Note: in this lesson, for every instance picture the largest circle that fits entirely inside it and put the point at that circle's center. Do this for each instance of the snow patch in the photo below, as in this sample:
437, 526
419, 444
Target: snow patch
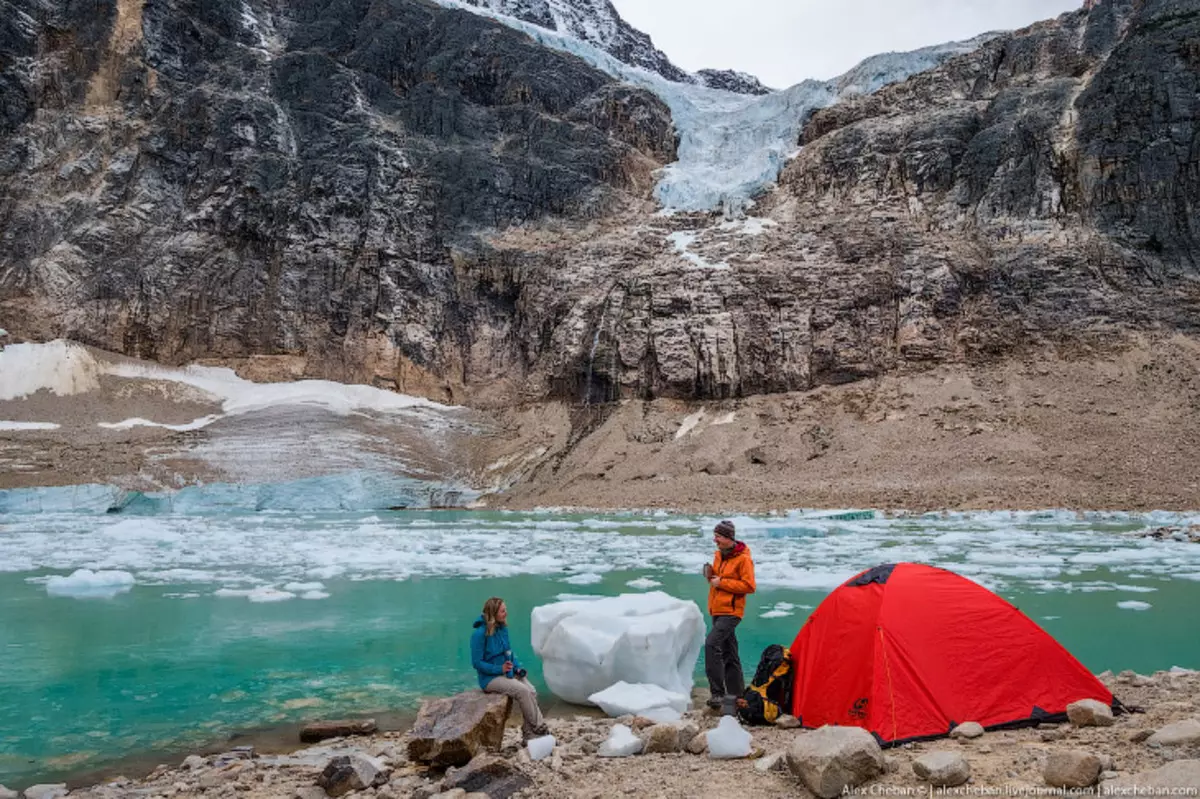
59, 367
19, 426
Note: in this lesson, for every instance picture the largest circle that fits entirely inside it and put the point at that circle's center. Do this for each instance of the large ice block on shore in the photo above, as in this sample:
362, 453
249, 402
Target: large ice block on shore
588, 645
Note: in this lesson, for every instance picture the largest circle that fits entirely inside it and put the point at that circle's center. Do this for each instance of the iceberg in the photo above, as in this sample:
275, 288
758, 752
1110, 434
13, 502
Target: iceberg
642, 639
640, 700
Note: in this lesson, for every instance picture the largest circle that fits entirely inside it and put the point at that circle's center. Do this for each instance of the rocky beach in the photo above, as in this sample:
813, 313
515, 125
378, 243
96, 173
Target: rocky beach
1153, 751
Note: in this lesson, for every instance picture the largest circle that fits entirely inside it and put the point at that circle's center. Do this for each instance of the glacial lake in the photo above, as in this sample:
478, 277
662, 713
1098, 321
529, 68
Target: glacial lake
231, 618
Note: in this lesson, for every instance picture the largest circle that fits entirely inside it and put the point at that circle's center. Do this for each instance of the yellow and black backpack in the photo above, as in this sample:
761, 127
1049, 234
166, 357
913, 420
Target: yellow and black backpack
770, 693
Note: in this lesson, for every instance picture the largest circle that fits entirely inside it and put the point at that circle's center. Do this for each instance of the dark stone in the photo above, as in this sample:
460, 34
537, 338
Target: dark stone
488, 774
451, 731
321, 730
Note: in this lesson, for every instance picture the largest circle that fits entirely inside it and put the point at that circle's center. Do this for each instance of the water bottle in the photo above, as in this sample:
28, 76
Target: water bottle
508, 658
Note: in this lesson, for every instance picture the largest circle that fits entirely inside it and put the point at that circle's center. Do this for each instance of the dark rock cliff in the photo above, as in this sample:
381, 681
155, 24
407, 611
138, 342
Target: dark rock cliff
181, 178
420, 197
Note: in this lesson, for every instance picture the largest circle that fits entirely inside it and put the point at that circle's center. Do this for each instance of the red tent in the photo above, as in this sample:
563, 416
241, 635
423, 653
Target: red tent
909, 651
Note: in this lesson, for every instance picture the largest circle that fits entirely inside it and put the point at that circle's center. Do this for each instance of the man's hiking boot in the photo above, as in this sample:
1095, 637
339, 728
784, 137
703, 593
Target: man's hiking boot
714, 702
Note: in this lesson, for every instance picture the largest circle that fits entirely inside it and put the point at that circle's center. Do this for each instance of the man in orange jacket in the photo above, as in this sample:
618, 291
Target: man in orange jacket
730, 579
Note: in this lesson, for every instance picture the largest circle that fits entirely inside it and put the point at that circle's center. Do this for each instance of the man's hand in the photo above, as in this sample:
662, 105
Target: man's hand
715, 581
708, 571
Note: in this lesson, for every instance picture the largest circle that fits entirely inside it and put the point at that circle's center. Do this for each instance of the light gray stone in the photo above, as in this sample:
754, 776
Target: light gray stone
970, 729
942, 768
786, 722
6, 793
776, 761
698, 744
1170, 777
832, 759
1090, 713
310, 792
1071, 769
46, 791
1180, 733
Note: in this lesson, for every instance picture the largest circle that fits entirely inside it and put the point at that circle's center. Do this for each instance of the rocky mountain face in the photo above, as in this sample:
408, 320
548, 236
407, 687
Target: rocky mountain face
598, 23
417, 197
215, 178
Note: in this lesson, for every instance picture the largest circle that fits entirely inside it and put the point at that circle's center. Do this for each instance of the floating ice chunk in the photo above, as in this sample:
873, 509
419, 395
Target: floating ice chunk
643, 582
314, 595
622, 698
87, 584
540, 748
621, 743
587, 578
1134, 605
587, 646
300, 588
269, 594
728, 740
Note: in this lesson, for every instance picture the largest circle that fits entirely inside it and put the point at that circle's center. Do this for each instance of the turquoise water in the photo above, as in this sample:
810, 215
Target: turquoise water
205, 631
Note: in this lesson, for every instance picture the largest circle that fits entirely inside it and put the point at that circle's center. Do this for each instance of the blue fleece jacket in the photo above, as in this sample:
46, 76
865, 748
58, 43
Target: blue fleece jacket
487, 652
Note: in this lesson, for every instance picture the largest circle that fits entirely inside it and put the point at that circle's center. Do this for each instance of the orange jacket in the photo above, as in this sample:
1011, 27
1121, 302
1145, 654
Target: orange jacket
737, 580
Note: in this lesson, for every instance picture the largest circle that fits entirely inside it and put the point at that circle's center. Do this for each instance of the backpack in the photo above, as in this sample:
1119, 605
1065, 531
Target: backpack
770, 693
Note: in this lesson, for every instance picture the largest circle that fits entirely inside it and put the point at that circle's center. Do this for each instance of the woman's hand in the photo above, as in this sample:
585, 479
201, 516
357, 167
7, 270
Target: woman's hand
507, 666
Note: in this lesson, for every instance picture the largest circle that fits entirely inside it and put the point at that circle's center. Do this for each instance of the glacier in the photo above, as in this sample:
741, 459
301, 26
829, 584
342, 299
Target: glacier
732, 147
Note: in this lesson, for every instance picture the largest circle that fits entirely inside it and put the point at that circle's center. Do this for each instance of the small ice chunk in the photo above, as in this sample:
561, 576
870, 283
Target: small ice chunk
1134, 605
621, 743
589, 646
87, 584
728, 740
540, 748
639, 699
643, 583
662, 715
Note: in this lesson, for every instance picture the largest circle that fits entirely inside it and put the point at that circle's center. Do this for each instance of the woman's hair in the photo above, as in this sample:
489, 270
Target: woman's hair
490, 609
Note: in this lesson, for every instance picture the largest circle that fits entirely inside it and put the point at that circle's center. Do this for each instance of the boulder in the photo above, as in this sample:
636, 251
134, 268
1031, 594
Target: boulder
321, 730
832, 759
1181, 733
662, 738
970, 729
451, 731
346, 773
1072, 769
488, 774
1090, 713
1170, 777
46, 791
942, 769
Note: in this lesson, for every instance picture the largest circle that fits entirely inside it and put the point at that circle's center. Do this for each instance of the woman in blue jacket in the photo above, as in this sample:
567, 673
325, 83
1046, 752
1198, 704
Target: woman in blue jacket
499, 670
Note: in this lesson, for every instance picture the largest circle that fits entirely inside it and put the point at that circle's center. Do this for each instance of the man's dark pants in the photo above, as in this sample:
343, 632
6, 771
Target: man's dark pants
721, 662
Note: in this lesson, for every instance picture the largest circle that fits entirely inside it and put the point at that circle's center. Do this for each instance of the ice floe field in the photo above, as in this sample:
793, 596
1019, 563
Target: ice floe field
177, 622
